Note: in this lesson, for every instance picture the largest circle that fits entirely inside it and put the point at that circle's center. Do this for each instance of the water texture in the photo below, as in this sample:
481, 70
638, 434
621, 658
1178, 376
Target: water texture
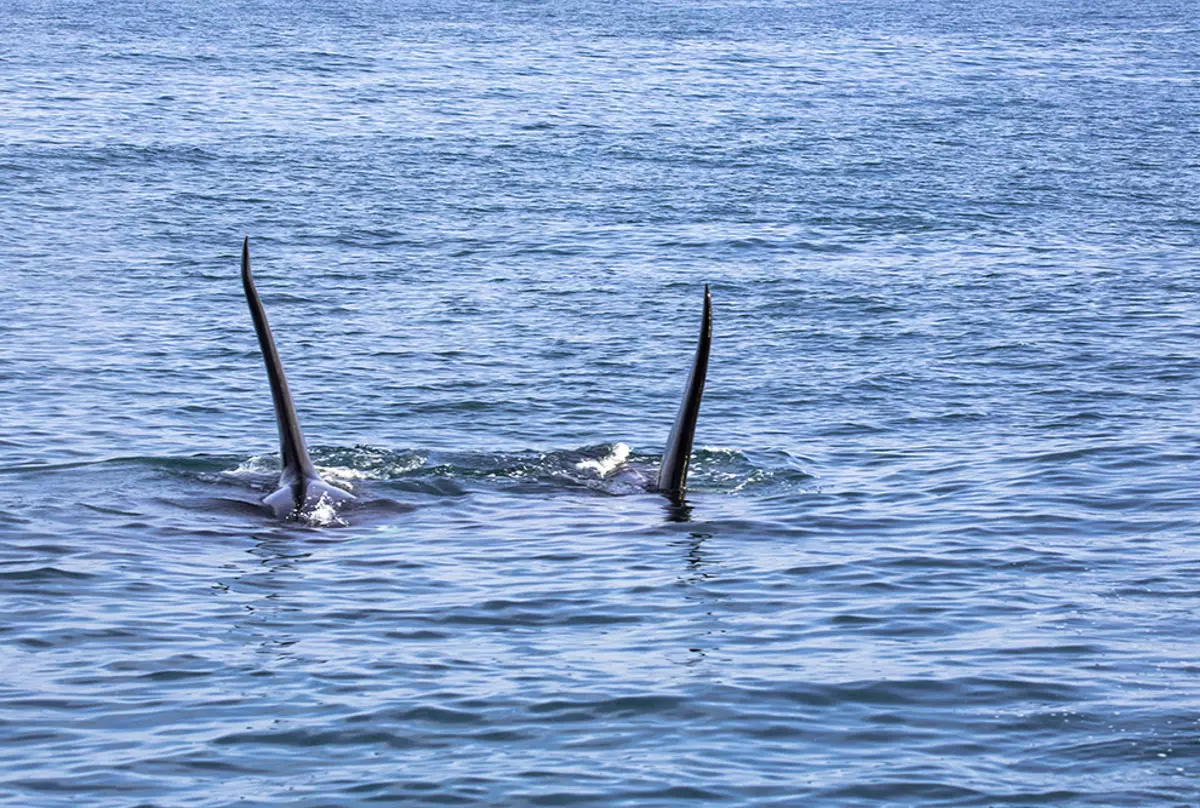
941, 542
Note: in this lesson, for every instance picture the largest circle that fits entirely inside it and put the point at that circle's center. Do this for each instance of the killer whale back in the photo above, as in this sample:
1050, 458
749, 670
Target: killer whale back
672, 474
296, 463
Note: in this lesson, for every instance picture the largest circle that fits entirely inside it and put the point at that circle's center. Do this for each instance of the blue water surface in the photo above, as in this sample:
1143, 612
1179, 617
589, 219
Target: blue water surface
941, 544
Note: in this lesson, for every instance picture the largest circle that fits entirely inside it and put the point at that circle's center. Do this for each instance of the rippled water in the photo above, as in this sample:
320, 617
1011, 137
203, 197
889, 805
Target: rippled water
941, 542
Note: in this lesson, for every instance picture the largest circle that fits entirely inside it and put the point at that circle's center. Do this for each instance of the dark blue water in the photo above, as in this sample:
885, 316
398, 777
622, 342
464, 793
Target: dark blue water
942, 545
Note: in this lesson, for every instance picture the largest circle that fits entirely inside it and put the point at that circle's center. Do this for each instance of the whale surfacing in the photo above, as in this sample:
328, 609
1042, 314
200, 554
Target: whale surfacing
301, 489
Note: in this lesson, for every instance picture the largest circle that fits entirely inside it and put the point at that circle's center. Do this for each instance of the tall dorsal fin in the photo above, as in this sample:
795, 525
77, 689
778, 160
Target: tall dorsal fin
296, 463
672, 474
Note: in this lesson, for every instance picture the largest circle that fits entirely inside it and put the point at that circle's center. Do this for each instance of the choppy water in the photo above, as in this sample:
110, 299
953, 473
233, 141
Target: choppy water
942, 542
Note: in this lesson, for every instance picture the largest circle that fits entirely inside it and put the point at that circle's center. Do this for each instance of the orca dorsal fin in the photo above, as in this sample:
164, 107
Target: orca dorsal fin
296, 462
672, 474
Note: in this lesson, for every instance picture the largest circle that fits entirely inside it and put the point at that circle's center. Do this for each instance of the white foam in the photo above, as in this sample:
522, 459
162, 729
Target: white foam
605, 466
753, 478
341, 474
258, 464
324, 514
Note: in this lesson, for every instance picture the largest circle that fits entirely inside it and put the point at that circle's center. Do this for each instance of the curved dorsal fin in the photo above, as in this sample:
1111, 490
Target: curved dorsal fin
296, 463
672, 474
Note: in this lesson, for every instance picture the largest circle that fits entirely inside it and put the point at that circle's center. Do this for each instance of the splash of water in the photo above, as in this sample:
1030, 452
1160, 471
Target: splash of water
609, 463
323, 514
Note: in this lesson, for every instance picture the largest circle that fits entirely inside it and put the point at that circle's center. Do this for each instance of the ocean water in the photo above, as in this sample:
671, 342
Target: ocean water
942, 542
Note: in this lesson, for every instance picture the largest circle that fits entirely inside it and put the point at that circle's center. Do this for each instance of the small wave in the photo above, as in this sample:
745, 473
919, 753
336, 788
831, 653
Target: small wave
340, 466
364, 462
44, 574
732, 471
609, 463
255, 465
342, 474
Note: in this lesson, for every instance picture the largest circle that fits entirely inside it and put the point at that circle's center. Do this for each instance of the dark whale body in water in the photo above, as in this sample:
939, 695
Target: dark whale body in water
301, 489
672, 473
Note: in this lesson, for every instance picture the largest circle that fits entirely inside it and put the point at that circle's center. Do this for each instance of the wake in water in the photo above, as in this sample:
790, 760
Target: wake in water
386, 482
375, 475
